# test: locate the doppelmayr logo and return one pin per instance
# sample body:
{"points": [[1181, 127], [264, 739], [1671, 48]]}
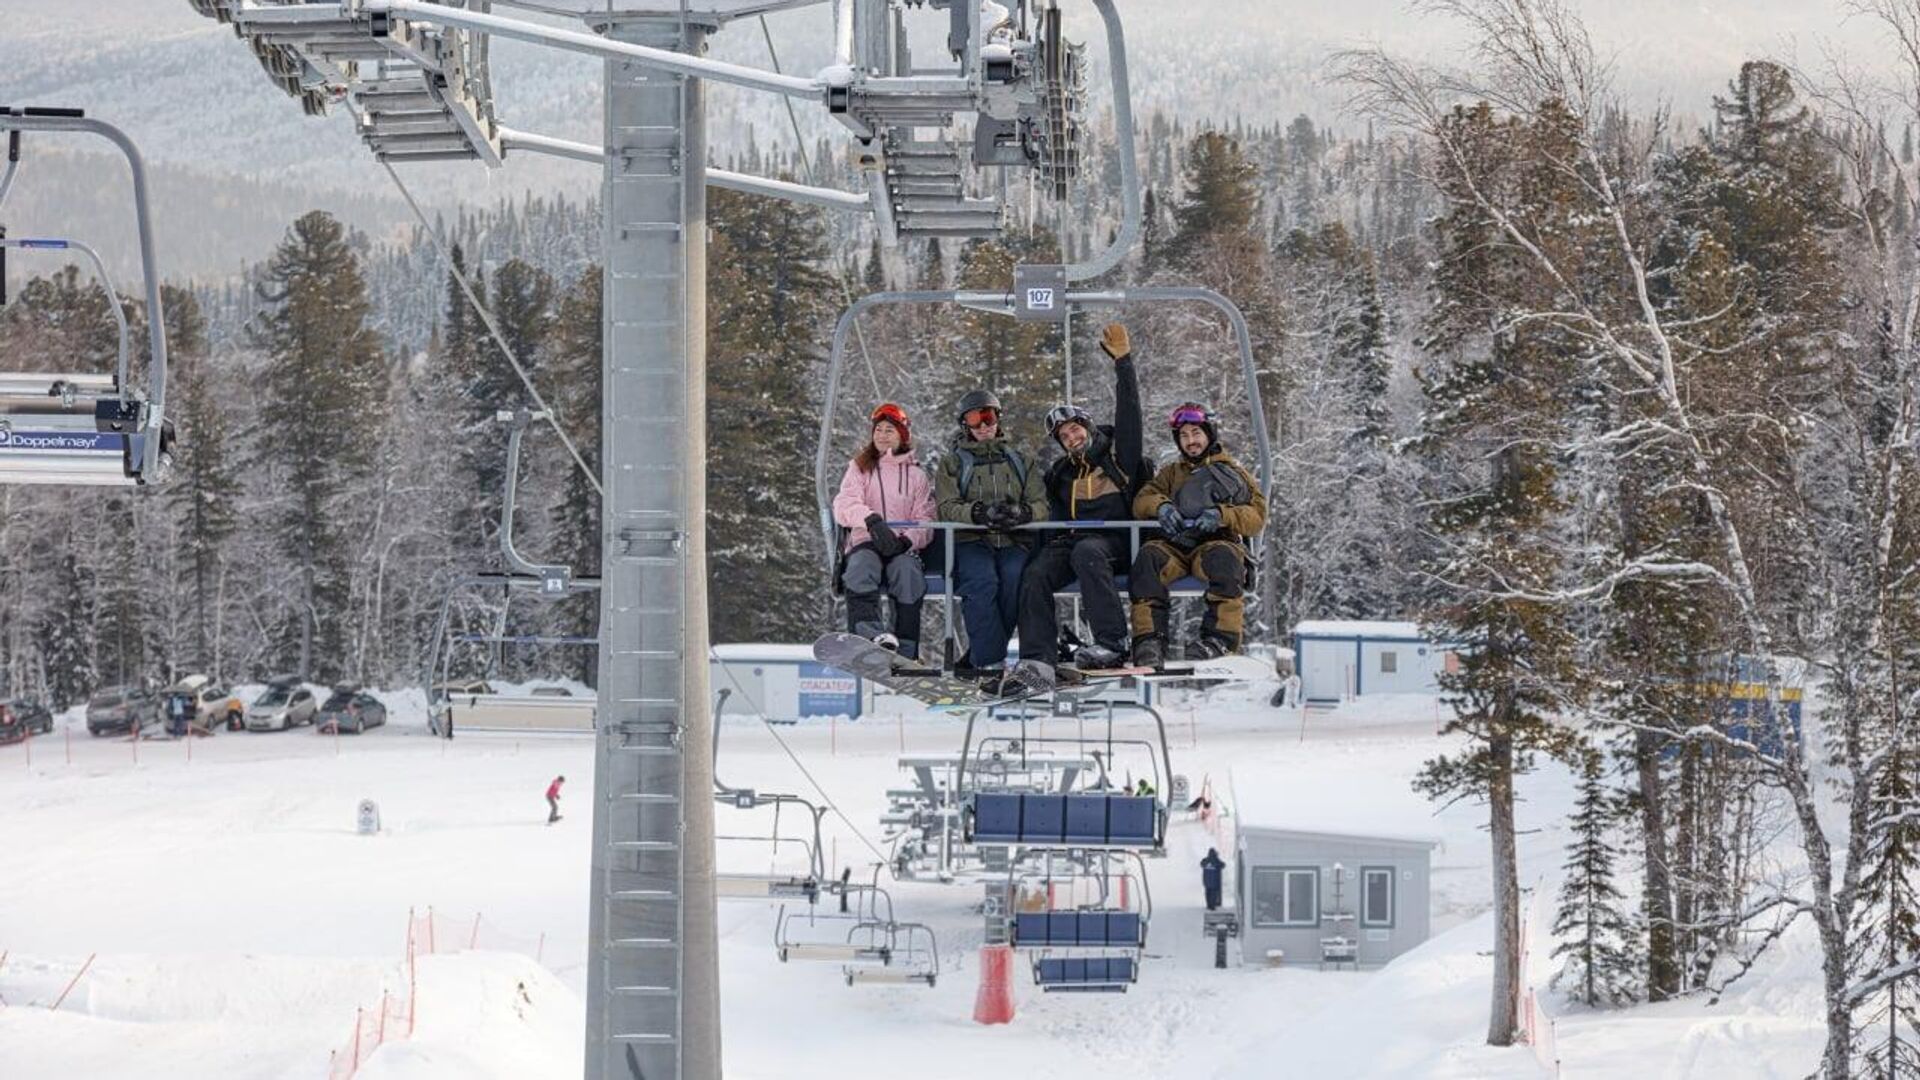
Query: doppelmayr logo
{"points": [[40, 440]]}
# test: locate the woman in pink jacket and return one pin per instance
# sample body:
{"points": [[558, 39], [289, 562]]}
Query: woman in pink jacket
{"points": [[884, 483]]}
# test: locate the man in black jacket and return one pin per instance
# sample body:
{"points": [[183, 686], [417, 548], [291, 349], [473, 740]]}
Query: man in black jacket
{"points": [[1104, 468]]}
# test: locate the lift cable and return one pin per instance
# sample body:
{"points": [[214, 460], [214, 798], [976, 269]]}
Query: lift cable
{"points": [[761, 714], [493, 328]]}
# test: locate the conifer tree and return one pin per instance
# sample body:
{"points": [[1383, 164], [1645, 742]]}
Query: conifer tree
{"points": [[769, 297], [324, 385], [1600, 965], [204, 486], [67, 629]]}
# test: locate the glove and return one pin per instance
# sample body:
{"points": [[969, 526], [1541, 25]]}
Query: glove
{"points": [[1170, 522], [885, 541], [1009, 515], [1115, 342], [982, 514], [1208, 522]]}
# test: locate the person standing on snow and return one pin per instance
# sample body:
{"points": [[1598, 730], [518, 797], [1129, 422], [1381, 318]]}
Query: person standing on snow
{"points": [[1097, 480], [984, 480], [1210, 868], [553, 799], [1207, 506], [884, 483]]}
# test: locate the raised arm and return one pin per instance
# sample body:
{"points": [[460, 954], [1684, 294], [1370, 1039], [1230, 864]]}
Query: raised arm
{"points": [[1129, 426]]}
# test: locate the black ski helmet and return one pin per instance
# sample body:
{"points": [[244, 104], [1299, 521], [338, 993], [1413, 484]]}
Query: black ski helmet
{"points": [[976, 399], [1061, 414]]}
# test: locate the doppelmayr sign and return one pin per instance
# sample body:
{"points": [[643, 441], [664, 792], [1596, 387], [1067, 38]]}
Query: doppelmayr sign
{"points": [[60, 440]]}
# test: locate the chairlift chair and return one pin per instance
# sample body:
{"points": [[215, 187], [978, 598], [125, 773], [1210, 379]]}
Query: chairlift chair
{"points": [[86, 429]]}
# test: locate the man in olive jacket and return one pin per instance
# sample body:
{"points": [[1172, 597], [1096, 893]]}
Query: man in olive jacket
{"points": [[1207, 506], [985, 481]]}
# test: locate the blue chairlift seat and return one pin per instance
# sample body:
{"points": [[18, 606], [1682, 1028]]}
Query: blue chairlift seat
{"points": [[1079, 930], [1081, 821], [1085, 974]]}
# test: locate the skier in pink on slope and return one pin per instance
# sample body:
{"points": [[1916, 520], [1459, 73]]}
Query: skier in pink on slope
{"points": [[553, 799]]}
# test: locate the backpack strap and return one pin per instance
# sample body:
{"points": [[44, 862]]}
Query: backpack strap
{"points": [[968, 461]]}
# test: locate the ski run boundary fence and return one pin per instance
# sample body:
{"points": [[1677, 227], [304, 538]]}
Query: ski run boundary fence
{"points": [[394, 1016], [1536, 1027]]}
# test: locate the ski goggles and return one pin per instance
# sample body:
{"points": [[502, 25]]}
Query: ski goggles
{"points": [[889, 412], [1190, 414], [1061, 414], [977, 417]]}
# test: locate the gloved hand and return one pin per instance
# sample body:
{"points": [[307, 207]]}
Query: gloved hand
{"points": [[1208, 522], [1170, 522], [886, 542], [982, 514], [1115, 342], [1009, 515]]}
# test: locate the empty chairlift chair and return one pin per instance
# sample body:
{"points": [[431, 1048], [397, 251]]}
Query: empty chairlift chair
{"points": [[85, 428], [1084, 820]]}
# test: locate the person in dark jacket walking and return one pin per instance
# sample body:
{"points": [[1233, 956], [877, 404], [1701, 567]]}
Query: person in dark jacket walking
{"points": [[1210, 868], [553, 799], [1097, 480], [987, 482], [1208, 507]]}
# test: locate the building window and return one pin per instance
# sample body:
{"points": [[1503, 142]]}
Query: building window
{"points": [[1286, 896], [1376, 896], [1389, 663]]}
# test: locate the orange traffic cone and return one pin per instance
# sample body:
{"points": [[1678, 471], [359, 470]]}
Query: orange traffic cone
{"points": [[993, 1004]]}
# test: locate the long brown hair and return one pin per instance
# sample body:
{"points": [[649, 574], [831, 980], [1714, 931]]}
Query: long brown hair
{"points": [[868, 459]]}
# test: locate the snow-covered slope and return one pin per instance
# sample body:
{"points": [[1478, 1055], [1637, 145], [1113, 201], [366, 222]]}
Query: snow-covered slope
{"points": [[239, 921]]}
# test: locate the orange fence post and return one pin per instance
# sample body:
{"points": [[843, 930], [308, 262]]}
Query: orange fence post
{"points": [[71, 982], [380, 1037], [993, 1004], [357, 1011]]}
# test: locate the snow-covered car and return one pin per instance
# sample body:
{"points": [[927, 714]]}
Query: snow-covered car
{"points": [[21, 717], [281, 707], [122, 709], [350, 710]]}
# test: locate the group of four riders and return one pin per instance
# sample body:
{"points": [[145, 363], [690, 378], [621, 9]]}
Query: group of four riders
{"points": [[1205, 504]]}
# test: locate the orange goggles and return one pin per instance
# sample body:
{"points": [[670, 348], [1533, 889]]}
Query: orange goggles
{"points": [[890, 412], [977, 417]]}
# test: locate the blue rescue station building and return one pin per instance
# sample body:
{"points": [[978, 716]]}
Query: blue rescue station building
{"points": [[784, 682], [1328, 880], [1339, 659]]}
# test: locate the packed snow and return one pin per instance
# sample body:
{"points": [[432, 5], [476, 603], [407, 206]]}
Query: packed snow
{"points": [[238, 924]]}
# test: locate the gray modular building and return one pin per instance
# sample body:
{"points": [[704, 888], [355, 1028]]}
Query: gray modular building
{"points": [[1317, 892]]}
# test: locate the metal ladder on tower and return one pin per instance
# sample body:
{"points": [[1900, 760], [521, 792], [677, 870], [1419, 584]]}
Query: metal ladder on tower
{"points": [[638, 1002]]}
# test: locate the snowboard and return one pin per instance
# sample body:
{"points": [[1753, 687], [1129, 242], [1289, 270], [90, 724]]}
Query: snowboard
{"points": [[1234, 667], [856, 655]]}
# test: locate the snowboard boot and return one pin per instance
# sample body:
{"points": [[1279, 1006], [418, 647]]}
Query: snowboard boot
{"points": [[1028, 678], [887, 642], [1211, 647], [1096, 657], [1150, 651]]}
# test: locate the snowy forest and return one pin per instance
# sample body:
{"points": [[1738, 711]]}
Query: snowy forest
{"points": [[1627, 411]]}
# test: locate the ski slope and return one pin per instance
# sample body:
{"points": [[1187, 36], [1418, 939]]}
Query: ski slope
{"points": [[238, 921]]}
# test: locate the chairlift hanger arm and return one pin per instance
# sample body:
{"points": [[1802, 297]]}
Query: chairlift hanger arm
{"points": [[106, 282]]}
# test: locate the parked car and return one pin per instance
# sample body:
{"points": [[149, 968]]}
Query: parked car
{"points": [[126, 708], [349, 709], [195, 701], [20, 718], [283, 706]]}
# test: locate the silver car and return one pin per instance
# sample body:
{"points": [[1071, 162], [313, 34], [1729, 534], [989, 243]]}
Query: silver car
{"points": [[284, 706]]}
